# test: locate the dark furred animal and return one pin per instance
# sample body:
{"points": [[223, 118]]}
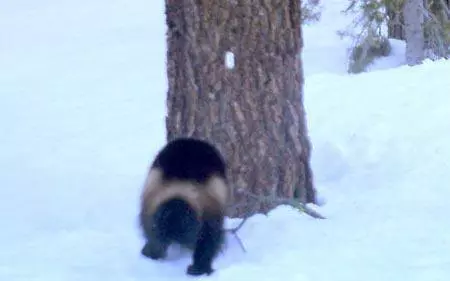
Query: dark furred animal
{"points": [[184, 201]]}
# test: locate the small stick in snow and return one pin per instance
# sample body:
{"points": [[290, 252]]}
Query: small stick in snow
{"points": [[234, 230]]}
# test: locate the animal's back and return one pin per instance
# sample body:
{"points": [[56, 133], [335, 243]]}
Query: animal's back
{"points": [[190, 159]]}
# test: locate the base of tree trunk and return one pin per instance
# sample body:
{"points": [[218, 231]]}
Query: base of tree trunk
{"points": [[254, 111]]}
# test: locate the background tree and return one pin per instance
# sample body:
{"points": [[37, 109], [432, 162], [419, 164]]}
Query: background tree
{"points": [[437, 29], [373, 16], [253, 111], [414, 34], [435, 25], [311, 11], [366, 30]]}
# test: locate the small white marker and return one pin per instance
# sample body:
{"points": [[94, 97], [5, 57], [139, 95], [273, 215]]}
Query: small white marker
{"points": [[229, 60]]}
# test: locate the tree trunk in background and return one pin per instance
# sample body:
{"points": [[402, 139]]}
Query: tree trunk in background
{"points": [[253, 112], [414, 31], [395, 24]]}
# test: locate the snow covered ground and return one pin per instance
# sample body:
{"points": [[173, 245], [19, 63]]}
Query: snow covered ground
{"points": [[82, 92]]}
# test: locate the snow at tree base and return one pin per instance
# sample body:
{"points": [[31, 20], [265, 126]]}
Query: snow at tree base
{"points": [[82, 98]]}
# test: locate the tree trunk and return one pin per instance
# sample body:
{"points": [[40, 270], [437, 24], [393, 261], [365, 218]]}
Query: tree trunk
{"points": [[395, 24], [415, 38], [253, 112]]}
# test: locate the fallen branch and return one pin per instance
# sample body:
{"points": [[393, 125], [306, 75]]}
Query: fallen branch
{"points": [[260, 199], [301, 207], [286, 201]]}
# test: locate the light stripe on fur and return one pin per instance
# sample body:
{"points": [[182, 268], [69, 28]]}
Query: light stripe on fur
{"points": [[153, 181], [185, 191], [156, 191], [217, 188]]}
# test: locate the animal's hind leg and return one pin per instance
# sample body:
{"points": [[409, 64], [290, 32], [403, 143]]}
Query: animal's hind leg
{"points": [[208, 246], [156, 244]]}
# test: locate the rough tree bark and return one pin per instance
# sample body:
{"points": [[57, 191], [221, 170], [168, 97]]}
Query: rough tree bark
{"points": [[253, 112], [414, 31]]}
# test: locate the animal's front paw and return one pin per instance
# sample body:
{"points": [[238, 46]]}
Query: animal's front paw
{"points": [[153, 253], [196, 270]]}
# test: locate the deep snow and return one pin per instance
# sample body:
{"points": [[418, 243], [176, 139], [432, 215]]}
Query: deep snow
{"points": [[82, 93]]}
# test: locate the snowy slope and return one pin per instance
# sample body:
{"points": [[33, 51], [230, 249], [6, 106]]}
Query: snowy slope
{"points": [[82, 90], [325, 52], [382, 150], [82, 93]]}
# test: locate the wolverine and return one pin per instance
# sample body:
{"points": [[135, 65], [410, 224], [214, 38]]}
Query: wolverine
{"points": [[184, 201]]}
